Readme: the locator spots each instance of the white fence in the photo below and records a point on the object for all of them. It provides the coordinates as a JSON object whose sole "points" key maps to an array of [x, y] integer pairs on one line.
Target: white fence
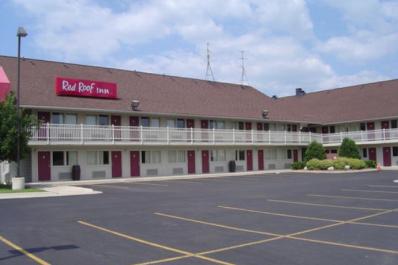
{"points": [[92, 134]]}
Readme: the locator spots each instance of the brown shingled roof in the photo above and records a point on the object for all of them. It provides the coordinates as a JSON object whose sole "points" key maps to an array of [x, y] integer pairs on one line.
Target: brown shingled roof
{"points": [[159, 94], [355, 103], [170, 95]]}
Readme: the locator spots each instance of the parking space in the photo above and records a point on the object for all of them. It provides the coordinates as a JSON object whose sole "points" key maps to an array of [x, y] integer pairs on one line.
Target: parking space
{"points": [[270, 219]]}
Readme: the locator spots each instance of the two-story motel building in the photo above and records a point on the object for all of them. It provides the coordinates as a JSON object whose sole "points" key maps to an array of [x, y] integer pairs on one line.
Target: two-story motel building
{"points": [[116, 123]]}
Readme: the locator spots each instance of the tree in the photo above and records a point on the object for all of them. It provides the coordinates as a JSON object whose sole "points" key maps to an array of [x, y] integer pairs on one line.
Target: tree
{"points": [[349, 148], [8, 129], [314, 150]]}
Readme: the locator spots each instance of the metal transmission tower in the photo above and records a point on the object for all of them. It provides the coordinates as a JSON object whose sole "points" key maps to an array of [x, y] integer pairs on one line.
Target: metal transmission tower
{"points": [[243, 78], [209, 71]]}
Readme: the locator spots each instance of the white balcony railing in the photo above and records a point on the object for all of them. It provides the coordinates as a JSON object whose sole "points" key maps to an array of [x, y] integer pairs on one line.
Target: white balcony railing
{"points": [[91, 134]]}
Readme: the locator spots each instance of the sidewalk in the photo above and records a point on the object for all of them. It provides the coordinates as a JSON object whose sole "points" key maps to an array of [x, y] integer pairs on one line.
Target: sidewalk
{"points": [[58, 191]]}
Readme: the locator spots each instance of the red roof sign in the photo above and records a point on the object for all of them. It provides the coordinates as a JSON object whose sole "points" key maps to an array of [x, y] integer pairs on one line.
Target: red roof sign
{"points": [[85, 88]]}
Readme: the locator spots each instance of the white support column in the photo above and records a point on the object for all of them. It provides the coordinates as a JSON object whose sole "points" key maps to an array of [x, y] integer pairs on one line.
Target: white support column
{"points": [[299, 133], [252, 136], [48, 132], [384, 134], [141, 135], [233, 135], [168, 135], [113, 134], [81, 133], [269, 136], [285, 138], [341, 137], [191, 135], [310, 136], [214, 136]]}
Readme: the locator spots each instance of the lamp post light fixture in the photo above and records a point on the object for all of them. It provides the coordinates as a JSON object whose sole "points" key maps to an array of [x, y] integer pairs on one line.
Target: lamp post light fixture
{"points": [[19, 182]]}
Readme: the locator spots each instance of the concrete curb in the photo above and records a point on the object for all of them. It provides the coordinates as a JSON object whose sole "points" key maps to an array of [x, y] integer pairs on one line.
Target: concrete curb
{"points": [[182, 177], [59, 191]]}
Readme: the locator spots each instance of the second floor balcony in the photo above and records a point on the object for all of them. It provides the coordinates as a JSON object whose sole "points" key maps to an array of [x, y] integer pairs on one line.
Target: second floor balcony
{"points": [[55, 134]]}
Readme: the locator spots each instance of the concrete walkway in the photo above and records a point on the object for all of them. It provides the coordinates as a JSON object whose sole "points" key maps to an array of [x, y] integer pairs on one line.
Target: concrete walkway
{"points": [[196, 176], [57, 191]]}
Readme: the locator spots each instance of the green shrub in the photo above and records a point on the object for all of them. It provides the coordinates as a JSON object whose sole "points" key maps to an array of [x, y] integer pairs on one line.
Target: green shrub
{"points": [[325, 164], [370, 163], [314, 150], [339, 164], [313, 164], [349, 149], [356, 163], [298, 165]]}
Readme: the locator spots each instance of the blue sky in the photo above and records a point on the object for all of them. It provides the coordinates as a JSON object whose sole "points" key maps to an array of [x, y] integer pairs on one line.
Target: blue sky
{"points": [[313, 44]]}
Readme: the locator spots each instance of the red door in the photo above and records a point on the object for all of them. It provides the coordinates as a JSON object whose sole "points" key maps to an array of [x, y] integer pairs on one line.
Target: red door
{"points": [[372, 154], [387, 156], [44, 118], [44, 160], [295, 155], [259, 126], [260, 159], [135, 163], [205, 161], [116, 120], [116, 164], [386, 125], [134, 133], [191, 162], [190, 123], [248, 125], [204, 124], [249, 160], [370, 126]]}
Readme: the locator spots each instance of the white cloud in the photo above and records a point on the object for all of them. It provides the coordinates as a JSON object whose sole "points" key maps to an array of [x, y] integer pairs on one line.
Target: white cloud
{"points": [[372, 30], [277, 36]]}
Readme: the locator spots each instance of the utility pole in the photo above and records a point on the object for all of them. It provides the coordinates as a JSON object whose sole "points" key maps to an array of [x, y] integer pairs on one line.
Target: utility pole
{"points": [[243, 78], [209, 71]]}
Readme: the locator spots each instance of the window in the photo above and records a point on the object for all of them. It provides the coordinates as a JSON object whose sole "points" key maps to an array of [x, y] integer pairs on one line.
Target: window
{"points": [[180, 123], [332, 129], [91, 120], [218, 155], [71, 158], [289, 154], [98, 157], [289, 128], [103, 120], [395, 150], [70, 119], [155, 123], [241, 125], [57, 118], [271, 154], [220, 125], [364, 152], [145, 121], [266, 127], [362, 126], [150, 157], [171, 123], [394, 124], [239, 155], [174, 156], [58, 158]]}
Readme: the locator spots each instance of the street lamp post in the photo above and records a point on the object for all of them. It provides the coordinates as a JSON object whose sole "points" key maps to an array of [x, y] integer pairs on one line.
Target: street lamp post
{"points": [[20, 34]]}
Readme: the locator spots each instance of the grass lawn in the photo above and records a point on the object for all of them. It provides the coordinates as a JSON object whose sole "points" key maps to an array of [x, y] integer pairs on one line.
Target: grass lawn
{"points": [[7, 189]]}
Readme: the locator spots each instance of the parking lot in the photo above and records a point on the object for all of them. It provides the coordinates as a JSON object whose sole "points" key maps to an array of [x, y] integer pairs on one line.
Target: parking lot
{"points": [[291, 218]]}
